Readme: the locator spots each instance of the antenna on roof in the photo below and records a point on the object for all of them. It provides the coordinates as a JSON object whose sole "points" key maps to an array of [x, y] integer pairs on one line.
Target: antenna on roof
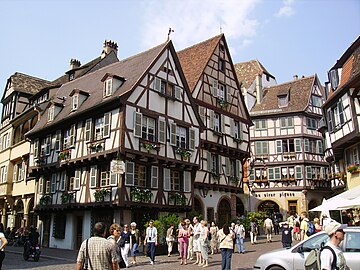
{"points": [[170, 31]]}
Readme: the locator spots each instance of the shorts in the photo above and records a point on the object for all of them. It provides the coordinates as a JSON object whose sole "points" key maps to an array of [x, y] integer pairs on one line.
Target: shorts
{"points": [[267, 230], [296, 229], [196, 244]]}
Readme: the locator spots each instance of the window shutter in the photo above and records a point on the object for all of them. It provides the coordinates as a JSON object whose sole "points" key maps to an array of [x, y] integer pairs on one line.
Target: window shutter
{"points": [[15, 172], [107, 124], [238, 169], [36, 148], [232, 127], [251, 175], [166, 179], [330, 120], [278, 146], [290, 122], [154, 176], [212, 125], [77, 179], [177, 92], [241, 131], [322, 172], [53, 183], [227, 166], [162, 131], [72, 135], [319, 147], [306, 145], [93, 176], [283, 122], [57, 140], [173, 134], [202, 111], [137, 124], [223, 123], [257, 148], [157, 84], [187, 181], [113, 178], [191, 139], [298, 172], [209, 161], [41, 185], [88, 127], [271, 174], [297, 145], [265, 148], [228, 94], [62, 181], [48, 144], [308, 172], [215, 88], [130, 172], [277, 172]]}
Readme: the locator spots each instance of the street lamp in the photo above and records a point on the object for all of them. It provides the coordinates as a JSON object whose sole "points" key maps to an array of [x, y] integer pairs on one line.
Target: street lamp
{"points": [[203, 191]]}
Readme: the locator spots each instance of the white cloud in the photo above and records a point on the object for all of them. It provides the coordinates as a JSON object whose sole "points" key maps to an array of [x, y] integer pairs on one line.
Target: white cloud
{"points": [[195, 21], [287, 9]]}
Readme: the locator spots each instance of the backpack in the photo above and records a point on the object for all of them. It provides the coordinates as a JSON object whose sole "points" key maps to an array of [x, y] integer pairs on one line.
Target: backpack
{"points": [[209, 236], [313, 262], [311, 228]]}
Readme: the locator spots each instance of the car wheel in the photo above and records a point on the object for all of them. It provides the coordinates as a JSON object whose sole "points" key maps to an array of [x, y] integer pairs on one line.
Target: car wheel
{"points": [[275, 268]]}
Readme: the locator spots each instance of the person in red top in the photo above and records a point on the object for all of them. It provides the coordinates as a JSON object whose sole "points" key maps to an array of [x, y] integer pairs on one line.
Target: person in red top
{"points": [[183, 238]]}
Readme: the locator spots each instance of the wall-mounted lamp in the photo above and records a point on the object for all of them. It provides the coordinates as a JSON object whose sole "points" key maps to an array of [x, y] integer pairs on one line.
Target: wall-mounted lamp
{"points": [[203, 191]]}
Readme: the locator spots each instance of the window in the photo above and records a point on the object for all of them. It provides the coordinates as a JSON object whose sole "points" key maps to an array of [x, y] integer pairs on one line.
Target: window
{"points": [[181, 137], [238, 134], [260, 124], [148, 128], [154, 176], [59, 226], [215, 164], [3, 174], [260, 174], [262, 148], [145, 127], [51, 113], [274, 173], [140, 175], [311, 123], [174, 180], [102, 127], [178, 136], [53, 183], [313, 146], [285, 146], [298, 145], [167, 88], [221, 91], [282, 101], [93, 176], [217, 122], [352, 155], [69, 137], [222, 65], [19, 172], [336, 117], [57, 140], [46, 146], [63, 181], [316, 101], [287, 173], [108, 87], [75, 102], [298, 172], [287, 122], [5, 142], [36, 148]]}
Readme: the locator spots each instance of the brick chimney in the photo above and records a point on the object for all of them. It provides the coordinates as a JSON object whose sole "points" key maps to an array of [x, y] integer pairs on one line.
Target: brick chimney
{"points": [[74, 63], [296, 77], [109, 46]]}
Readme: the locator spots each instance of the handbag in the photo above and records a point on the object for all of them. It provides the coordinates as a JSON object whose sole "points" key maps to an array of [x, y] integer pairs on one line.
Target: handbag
{"points": [[87, 257], [121, 242]]}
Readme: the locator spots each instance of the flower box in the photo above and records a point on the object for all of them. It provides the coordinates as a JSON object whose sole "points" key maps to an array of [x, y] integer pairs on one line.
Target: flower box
{"points": [[141, 195], [148, 145], [100, 194], [185, 154], [352, 168], [65, 154], [45, 200], [66, 197], [177, 198]]}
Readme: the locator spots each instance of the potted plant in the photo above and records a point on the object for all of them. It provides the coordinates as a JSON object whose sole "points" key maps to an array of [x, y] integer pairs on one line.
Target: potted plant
{"points": [[45, 200], [100, 194], [222, 102], [235, 180], [352, 168], [66, 197], [65, 154], [177, 198], [149, 146], [141, 195]]}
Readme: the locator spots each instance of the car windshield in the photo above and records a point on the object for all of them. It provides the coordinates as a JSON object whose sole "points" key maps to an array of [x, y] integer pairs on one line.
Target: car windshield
{"points": [[315, 242]]}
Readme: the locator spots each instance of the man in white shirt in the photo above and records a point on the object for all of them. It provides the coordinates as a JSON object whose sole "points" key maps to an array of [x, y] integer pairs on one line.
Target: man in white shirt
{"points": [[327, 259], [196, 240], [240, 236], [151, 241]]}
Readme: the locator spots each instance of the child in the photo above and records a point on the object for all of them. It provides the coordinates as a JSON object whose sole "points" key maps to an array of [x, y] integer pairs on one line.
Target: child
{"points": [[286, 238]]}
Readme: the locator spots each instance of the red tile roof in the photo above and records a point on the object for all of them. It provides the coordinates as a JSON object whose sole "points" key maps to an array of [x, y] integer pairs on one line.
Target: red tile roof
{"points": [[247, 72], [27, 84]]}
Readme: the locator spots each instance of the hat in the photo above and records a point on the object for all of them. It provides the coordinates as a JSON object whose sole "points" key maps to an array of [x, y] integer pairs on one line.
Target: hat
{"points": [[333, 227], [133, 224]]}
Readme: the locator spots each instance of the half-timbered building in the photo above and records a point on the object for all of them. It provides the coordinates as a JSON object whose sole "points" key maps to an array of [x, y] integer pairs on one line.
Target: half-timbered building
{"points": [[341, 126], [224, 143], [120, 144], [288, 170]]}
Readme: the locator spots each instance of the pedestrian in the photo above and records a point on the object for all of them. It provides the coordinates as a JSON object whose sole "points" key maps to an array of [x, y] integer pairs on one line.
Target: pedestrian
{"points": [[98, 252], [3, 243], [135, 241], [125, 236], [214, 240], [240, 236], [291, 221], [190, 244], [317, 225], [276, 223], [115, 232], [253, 231], [204, 244], [327, 259], [196, 240], [268, 227], [151, 241], [296, 234], [170, 238], [183, 239], [286, 237], [303, 225], [226, 236], [232, 228]]}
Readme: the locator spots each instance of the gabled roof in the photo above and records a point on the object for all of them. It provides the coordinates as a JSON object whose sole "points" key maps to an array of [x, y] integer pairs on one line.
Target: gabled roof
{"points": [[195, 58], [247, 72], [132, 69], [299, 92]]}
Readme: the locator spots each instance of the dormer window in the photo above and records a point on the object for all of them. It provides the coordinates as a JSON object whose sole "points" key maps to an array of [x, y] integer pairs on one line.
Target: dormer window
{"points": [[75, 102], [71, 76], [108, 85], [51, 113], [283, 101]]}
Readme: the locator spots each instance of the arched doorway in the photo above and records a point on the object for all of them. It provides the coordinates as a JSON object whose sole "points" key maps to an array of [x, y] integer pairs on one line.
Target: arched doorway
{"points": [[224, 212], [240, 209], [19, 216], [268, 207], [32, 217]]}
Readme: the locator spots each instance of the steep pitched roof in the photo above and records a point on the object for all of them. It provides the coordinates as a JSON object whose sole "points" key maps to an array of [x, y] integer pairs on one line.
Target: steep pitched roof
{"points": [[132, 69], [247, 72], [195, 58], [27, 84], [299, 92]]}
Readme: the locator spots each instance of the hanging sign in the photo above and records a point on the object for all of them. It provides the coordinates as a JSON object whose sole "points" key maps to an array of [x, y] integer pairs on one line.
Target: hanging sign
{"points": [[117, 166]]}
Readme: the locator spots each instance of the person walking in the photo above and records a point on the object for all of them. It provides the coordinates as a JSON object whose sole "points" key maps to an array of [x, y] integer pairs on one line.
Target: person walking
{"points": [[226, 236], [183, 239], [101, 252], [151, 241], [268, 227], [296, 231], [232, 228], [170, 238], [253, 231], [125, 236], [303, 226], [196, 240], [327, 260], [115, 232], [3, 243], [190, 244], [214, 240], [240, 236], [204, 244], [135, 241], [286, 238]]}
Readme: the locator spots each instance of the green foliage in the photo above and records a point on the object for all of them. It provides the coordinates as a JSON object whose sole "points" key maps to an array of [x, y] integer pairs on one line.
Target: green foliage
{"points": [[258, 216], [193, 214], [163, 224], [100, 194]]}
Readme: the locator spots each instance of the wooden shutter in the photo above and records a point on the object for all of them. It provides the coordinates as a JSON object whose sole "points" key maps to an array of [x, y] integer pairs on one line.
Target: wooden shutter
{"points": [[191, 139], [271, 174], [238, 169], [177, 92], [166, 179], [72, 135], [137, 124], [306, 145], [15, 173], [157, 84], [53, 183], [187, 181], [36, 148], [222, 119], [154, 176], [215, 88], [297, 145], [278, 146], [41, 185], [77, 179], [162, 130], [319, 147], [93, 176], [62, 181], [88, 129], [265, 147], [209, 161], [298, 172], [232, 127], [228, 94], [173, 134], [227, 166], [308, 172], [290, 121], [113, 178], [130, 173], [211, 114], [202, 111], [277, 172], [48, 145], [57, 140], [107, 124]]}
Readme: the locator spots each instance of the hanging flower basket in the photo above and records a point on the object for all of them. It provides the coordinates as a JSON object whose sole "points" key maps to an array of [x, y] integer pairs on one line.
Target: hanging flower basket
{"points": [[215, 176], [65, 154], [45, 200], [235, 180], [222, 102]]}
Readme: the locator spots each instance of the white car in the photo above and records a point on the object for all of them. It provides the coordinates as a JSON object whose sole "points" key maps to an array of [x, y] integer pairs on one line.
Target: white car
{"points": [[294, 258]]}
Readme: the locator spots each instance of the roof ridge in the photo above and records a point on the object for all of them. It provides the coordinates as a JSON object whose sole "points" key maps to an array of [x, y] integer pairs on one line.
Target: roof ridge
{"points": [[245, 62], [290, 82], [201, 42]]}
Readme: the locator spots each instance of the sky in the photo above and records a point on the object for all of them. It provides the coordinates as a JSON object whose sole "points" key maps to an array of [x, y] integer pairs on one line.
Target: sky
{"points": [[302, 37]]}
